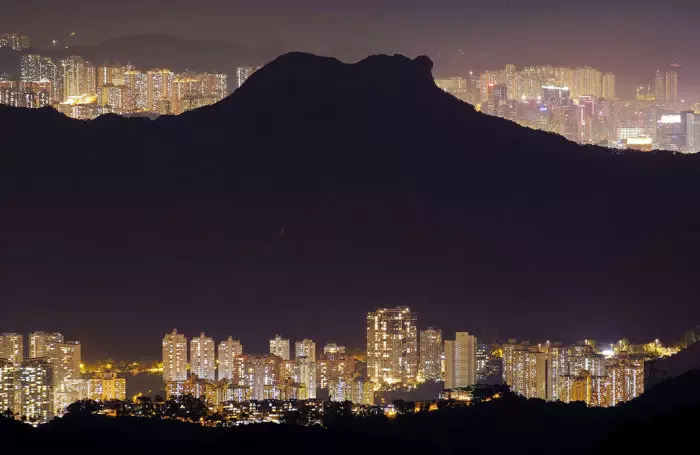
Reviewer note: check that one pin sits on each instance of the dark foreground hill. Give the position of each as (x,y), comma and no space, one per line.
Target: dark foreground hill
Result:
(339,188)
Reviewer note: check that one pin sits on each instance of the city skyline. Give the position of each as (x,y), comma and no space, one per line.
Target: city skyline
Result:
(53,375)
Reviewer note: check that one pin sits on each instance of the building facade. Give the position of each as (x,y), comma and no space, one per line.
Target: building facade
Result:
(460,361)
(174,357)
(392,346)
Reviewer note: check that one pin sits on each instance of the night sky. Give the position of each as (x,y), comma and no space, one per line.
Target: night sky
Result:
(629,37)
(116,275)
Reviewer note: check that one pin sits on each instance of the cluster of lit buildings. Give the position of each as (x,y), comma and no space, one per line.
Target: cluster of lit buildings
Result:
(582,105)
(572,373)
(41,385)
(223,374)
(82,90)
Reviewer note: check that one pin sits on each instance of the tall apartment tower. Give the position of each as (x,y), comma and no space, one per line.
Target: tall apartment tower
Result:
(203,357)
(43,344)
(392,346)
(305,348)
(280,347)
(12,348)
(460,361)
(36,389)
(174,357)
(431,354)
(228,350)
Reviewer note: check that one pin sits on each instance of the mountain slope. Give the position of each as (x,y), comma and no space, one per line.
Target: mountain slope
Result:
(389,191)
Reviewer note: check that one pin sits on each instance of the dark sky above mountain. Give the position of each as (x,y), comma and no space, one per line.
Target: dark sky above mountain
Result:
(631,37)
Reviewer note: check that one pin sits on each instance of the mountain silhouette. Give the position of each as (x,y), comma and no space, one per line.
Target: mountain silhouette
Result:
(389,190)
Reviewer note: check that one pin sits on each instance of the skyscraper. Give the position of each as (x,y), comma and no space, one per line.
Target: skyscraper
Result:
(174,357)
(36,389)
(7,385)
(671,88)
(203,357)
(242,74)
(15,41)
(460,361)
(609,86)
(228,350)
(280,347)
(43,344)
(66,362)
(692,131)
(530,378)
(392,346)
(431,349)
(159,84)
(79,77)
(110,74)
(660,85)
(12,348)
(305,348)
(191,90)
(137,84)
(627,377)
(306,375)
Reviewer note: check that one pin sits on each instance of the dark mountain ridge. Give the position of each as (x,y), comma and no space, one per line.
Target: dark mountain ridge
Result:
(389,190)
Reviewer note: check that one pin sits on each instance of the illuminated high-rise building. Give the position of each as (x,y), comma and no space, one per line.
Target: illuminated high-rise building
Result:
(12,348)
(692,131)
(525,369)
(228,350)
(67,393)
(280,347)
(107,386)
(259,374)
(15,41)
(137,84)
(8,373)
(36,389)
(305,348)
(66,361)
(114,96)
(671,87)
(586,81)
(243,73)
(174,357)
(306,375)
(194,90)
(330,350)
(460,361)
(361,391)
(79,78)
(43,344)
(431,354)
(530,378)
(112,74)
(203,357)
(608,91)
(392,346)
(627,378)
(660,85)
(159,91)
(557,368)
